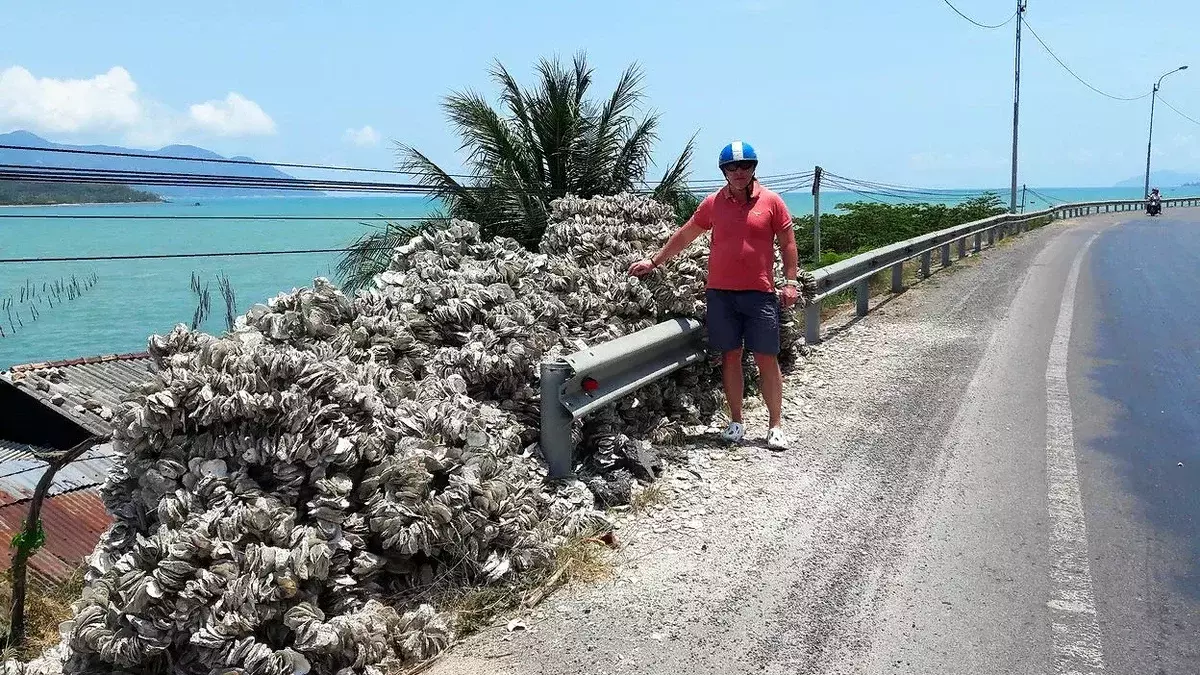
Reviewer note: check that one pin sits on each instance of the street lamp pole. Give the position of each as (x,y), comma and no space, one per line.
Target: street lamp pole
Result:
(1150,139)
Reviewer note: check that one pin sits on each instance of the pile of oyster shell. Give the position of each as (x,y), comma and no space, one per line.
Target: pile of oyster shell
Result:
(291,497)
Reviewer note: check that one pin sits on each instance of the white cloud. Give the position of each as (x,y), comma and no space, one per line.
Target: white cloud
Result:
(235,116)
(364,136)
(104,102)
(110,102)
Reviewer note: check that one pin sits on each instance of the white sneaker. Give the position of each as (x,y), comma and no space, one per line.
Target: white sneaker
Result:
(734,432)
(776,439)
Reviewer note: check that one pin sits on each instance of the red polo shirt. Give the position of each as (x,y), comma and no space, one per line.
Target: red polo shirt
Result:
(742,254)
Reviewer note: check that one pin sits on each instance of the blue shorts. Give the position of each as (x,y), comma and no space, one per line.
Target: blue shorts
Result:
(737,318)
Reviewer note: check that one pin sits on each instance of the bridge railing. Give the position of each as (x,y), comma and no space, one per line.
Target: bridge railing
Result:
(592,378)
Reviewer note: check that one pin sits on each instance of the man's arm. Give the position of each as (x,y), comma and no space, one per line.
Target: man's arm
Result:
(787,250)
(682,238)
(678,241)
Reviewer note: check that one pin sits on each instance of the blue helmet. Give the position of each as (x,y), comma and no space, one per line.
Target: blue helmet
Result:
(736,152)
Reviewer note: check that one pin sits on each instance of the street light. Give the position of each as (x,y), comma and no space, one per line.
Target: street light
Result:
(1153,96)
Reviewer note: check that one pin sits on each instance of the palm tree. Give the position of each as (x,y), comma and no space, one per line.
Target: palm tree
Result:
(542,144)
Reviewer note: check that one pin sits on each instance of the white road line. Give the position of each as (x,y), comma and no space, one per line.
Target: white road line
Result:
(1076,633)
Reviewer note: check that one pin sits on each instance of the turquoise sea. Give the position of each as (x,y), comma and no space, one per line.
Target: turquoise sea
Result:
(133,299)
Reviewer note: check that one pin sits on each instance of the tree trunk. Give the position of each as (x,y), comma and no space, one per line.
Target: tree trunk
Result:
(16,630)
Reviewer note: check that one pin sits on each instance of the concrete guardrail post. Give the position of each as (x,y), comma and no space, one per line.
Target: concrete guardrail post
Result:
(812,323)
(897,277)
(962,248)
(991,236)
(946,254)
(556,443)
(978,241)
(925,258)
(863,296)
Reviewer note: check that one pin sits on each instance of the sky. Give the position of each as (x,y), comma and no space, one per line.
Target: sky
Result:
(916,96)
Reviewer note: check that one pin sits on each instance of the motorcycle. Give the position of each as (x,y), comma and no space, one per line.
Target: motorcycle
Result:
(1154,206)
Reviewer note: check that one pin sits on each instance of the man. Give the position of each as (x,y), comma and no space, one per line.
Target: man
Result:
(746,220)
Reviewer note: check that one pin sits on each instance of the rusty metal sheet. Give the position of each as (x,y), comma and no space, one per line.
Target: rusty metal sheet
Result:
(73,523)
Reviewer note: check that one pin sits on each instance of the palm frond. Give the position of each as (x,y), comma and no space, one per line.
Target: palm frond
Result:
(443,186)
(611,124)
(371,253)
(538,144)
(518,103)
(633,158)
(672,188)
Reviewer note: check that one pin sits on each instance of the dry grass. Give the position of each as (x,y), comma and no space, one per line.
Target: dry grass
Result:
(44,610)
(647,497)
(579,560)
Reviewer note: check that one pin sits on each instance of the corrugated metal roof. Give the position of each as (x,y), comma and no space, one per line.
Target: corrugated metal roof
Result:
(73,523)
(21,469)
(84,390)
(14,450)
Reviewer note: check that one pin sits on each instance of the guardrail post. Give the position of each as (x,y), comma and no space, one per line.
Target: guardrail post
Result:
(962,248)
(978,242)
(812,323)
(925,257)
(946,254)
(991,236)
(898,277)
(556,442)
(863,296)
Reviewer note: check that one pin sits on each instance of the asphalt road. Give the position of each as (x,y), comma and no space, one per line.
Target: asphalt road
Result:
(987,479)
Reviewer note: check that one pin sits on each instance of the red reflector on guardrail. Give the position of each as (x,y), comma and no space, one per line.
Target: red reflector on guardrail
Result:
(589,385)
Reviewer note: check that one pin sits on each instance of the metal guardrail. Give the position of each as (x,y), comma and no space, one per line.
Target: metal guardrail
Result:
(575,385)
(857,271)
(594,377)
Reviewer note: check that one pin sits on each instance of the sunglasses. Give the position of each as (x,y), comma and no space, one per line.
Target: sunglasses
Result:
(744,165)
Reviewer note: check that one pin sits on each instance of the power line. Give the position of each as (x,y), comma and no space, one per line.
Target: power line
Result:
(904,191)
(211,160)
(1177,112)
(981,25)
(165,256)
(1077,77)
(63,174)
(292,165)
(117,216)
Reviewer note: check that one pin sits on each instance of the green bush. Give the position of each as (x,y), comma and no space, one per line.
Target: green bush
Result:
(864,226)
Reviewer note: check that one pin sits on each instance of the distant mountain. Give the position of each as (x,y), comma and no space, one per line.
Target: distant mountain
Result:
(109,162)
(1161,179)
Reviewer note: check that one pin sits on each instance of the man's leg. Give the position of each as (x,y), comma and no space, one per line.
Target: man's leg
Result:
(762,338)
(725,327)
(771,379)
(731,377)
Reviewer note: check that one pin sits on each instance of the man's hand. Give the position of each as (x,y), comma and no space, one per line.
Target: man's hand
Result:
(788,295)
(641,267)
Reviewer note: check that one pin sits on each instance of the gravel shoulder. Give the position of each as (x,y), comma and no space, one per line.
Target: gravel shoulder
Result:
(886,540)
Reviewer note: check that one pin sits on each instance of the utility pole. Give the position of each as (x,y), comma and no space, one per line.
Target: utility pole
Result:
(1012,199)
(816,190)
